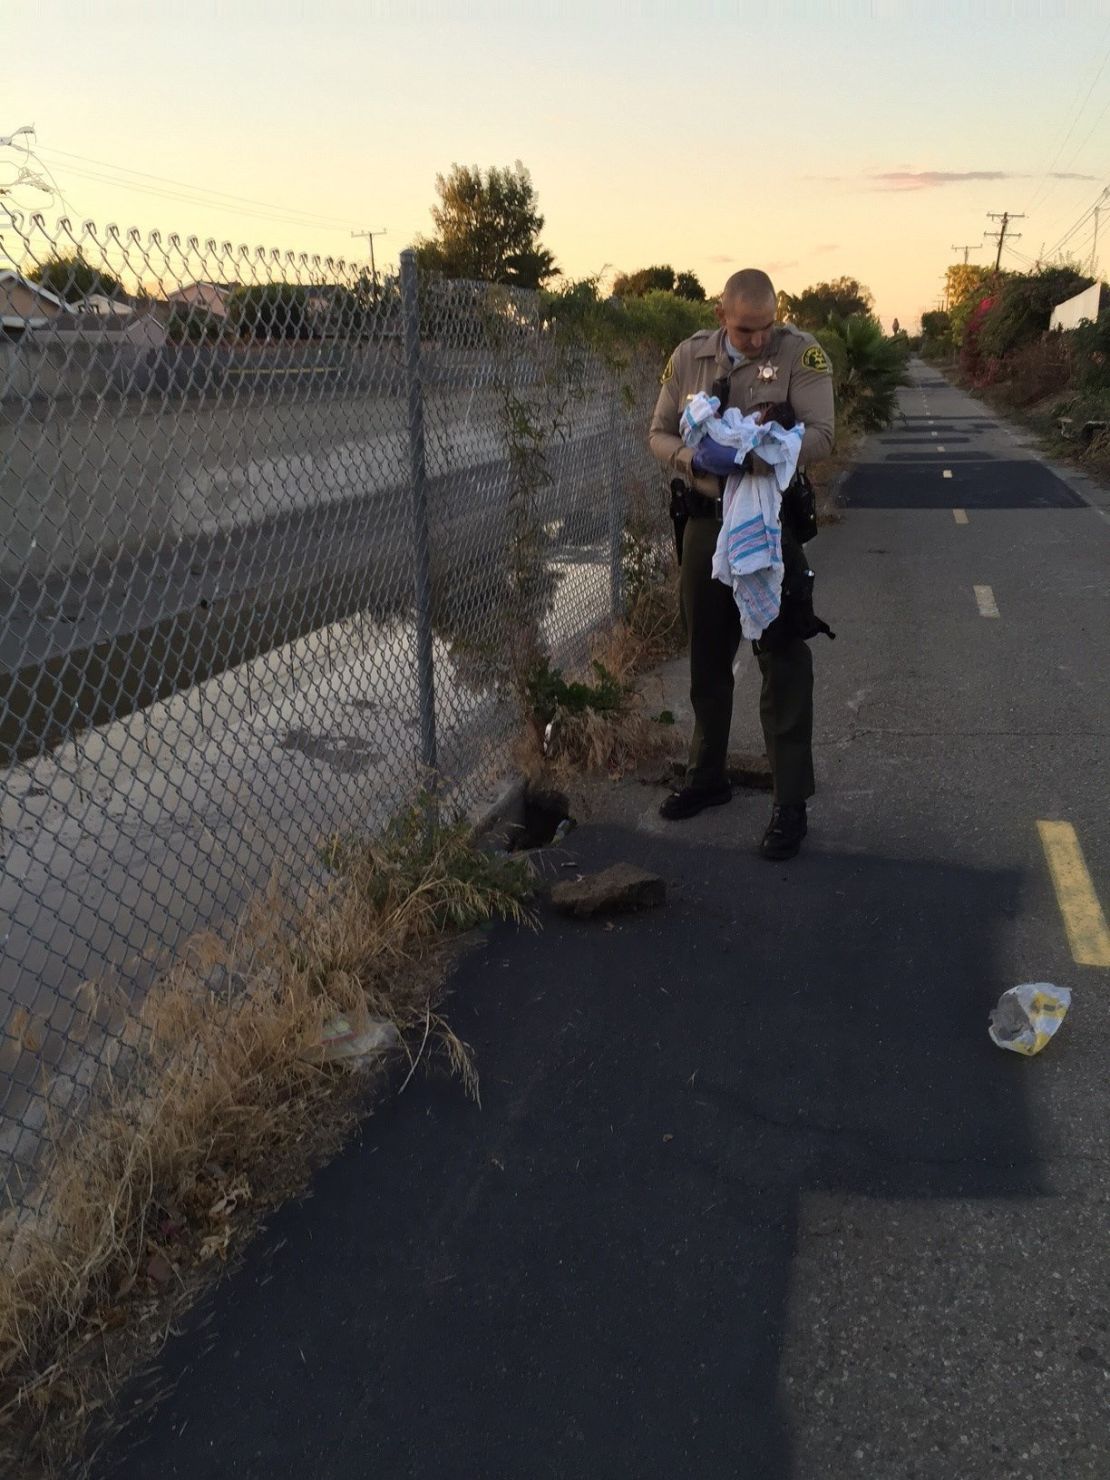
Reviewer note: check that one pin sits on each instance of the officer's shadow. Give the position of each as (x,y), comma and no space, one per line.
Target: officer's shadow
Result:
(589,1277)
(776,1032)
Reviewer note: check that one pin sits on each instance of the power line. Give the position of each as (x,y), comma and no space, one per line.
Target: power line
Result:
(201,189)
(1078,226)
(1089,134)
(1056,222)
(1019,256)
(274,216)
(1075,157)
(1038,196)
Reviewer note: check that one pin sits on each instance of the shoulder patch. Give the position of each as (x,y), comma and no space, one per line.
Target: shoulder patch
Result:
(668,371)
(815,358)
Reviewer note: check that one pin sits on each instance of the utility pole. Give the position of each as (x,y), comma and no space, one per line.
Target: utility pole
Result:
(370,235)
(966,249)
(1005,217)
(1094,244)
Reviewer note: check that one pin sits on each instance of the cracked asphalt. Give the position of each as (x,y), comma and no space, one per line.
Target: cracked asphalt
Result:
(750,1192)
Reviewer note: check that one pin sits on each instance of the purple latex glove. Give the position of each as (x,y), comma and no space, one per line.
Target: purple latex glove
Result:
(711,457)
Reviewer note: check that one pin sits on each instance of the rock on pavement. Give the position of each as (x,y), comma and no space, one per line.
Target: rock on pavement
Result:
(621,887)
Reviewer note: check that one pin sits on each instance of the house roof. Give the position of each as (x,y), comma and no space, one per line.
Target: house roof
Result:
(8,276)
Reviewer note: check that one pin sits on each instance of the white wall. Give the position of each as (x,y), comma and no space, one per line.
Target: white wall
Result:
(1072,312)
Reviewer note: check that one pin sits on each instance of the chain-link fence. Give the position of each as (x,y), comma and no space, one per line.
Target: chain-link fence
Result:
(277,537)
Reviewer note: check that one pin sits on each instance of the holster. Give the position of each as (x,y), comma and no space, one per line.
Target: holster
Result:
(679,513)
(799,508)
(796,618)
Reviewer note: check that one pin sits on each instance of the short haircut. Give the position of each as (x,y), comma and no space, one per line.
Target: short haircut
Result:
(750,284)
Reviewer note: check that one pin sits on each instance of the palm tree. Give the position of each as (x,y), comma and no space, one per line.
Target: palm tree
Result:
(869,368)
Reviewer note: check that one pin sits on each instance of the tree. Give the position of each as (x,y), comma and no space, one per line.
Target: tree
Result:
(272,311)
(188,324)
(660,279)
(645,280)
(72,278)
(896,327)
(868,368)
(625,331)
(487,228)
(812,309)
(688,285)
(962,280)
(935,324)
(966,284)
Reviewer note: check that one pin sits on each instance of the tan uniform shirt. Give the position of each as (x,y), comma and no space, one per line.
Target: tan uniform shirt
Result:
(797,371)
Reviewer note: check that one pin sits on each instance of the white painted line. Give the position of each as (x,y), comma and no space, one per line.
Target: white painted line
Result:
(960,516)
(947,473)
(984,596)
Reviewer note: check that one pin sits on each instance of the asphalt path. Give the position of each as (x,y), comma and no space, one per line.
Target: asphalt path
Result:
(750,1192)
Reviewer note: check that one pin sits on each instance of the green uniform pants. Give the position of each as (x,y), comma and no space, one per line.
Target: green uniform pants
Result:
(786,702)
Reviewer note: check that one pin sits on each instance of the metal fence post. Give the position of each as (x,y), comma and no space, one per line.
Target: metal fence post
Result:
(421,553)
(616,510)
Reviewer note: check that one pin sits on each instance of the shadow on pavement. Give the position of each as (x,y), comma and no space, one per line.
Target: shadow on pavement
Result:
(589,1276)
(979,481)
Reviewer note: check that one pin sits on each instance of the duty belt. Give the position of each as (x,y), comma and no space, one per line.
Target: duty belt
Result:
(700,506)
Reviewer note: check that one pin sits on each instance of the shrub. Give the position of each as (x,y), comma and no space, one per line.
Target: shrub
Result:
(868,367)
(1035,371)
(187,324)
(1091,353)
(1022,308)
(622,329)
(272,311)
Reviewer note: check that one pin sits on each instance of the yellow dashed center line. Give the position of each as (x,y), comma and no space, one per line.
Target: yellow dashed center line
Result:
(960,516)
(1084,921)
(984,596)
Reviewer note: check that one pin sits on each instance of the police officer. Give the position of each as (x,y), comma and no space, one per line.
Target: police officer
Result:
(766,366)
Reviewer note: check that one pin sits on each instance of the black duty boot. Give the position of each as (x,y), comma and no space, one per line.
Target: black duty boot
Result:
(784,832)
(693,799)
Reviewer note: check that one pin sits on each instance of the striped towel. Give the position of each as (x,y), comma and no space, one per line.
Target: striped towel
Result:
(748,556)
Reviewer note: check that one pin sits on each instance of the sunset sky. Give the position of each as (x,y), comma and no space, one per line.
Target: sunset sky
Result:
(812,140)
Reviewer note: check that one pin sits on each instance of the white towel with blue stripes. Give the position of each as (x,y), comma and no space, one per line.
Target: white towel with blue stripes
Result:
(748,557)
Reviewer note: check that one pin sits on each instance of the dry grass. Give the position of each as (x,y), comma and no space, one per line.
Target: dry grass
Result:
(231,1103)
(654,622)
(623,730)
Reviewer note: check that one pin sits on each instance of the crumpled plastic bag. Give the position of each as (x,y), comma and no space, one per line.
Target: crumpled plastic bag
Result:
(1028,1016)
(341,1042)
